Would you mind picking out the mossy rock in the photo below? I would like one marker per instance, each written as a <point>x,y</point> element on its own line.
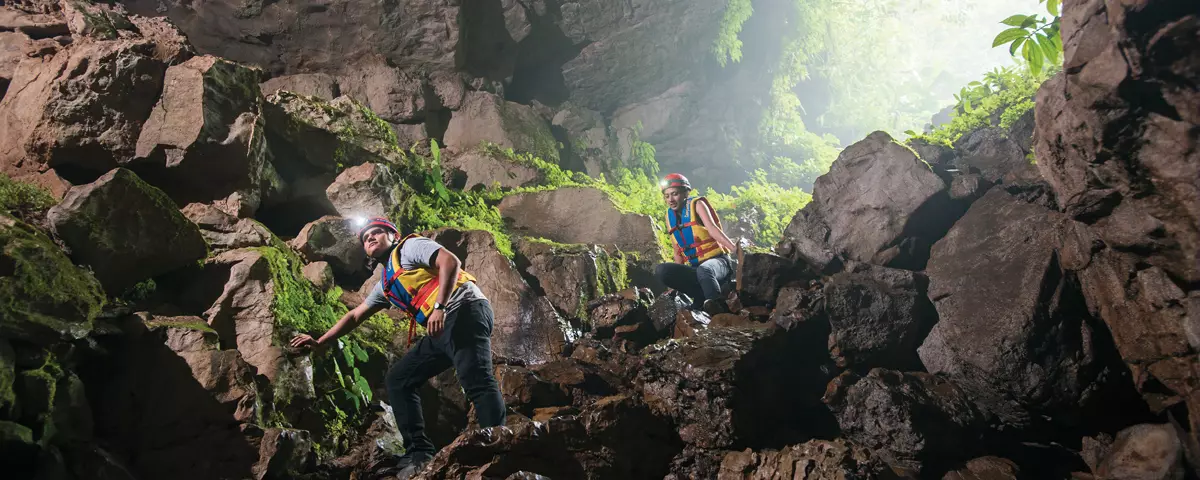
<point>7,375</point>
<point>330,136</point>
<point>43,296</point>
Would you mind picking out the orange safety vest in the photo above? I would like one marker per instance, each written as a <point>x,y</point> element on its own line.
<point>414,291</point>
<point>692,240</point>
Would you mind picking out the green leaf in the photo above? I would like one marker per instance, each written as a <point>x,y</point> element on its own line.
<point>910,133</point>
<point>364,389</point>
<point>1015,20</point>
<point>1048,48</point>
<point>1034,56</point>
<point>1052,7</point>
<point>1009,35</point>
<point>359,353</point>
<point>348,356</point>
<point>1012,50</point>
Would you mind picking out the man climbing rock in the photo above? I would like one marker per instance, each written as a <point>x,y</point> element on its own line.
<point>702,262</point>
<point>459,325</point>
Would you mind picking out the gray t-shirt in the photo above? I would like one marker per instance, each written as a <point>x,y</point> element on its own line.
<point>417,252</point>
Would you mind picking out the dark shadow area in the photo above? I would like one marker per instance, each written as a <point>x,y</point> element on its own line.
<point>928,224</point>
<point>488,49</point>
<point>537,74</point>
<point>781,381</point>
<point>287,218</point>
<point>156,417</point>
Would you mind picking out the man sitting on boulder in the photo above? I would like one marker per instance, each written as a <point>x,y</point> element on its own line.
<point>459,325</point>
<point>702,262</point>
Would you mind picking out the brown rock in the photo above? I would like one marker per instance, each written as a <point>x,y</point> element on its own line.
<point>990,152</point>
<point>366,191</point>
<point>689,323</point>
<point>319,85</point>
<point>526,325</point>
<point>1019,281</point>
<point>283,452</point>
<point>204,140</point>
<point>320,274</point>
<point>82,108</point>
<point>814,459</point>
<point>762,275</point>
<point>911,420</point>
<point>486,168</point>
<point>1145,452</point>
<point>223,231</point>
<point>526,392</point>
<point>36,25</point>
<point>554,215</point>
<point>892,223</point>
<point>333,239</point>
<point>572,276</point>
<point>126,230</point>
<point>878,316</point>
<point>613,310</point>
<point>985,468</point>
<point>172,392</point>
<point>485,117</point>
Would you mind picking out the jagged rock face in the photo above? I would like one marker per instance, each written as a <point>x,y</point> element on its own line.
<point>366,191</point>
<point>616,437</point>
<point>486,117</point>
<point>878,204</point>
<point>1144,451</point>
<point>169,392</point>
<point>282,452</point>
<point>223,231</point>
<point>567,274</point>
<point>79,111</point>
<point>1013,329</point>
<point>320,85</point>
<point>763,275</point>
<point>525,324</point>
<point>48,298</point>
<point>145,237</point>
<point>334,240</point>
<point>878,316</point>
<point>833,460</point>
<point>204,140</point>
<point>604,76</point>
<point>477,168</point>
<point>1135,185</point>
<point>911,420</point>
<point>991,152</point>
<point>295,37</point>
<point>316,136</point>
<point>559,215</point>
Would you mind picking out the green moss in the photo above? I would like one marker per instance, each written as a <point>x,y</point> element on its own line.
<point>612,272</point>
<point>299,307</point>
<point>1008,91</point>
<point>44,290</point>
<point>23,199</point>
<point>14,433</point>
<point>197,326</point>
<point>40,384</point>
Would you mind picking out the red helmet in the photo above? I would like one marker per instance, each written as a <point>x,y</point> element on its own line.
<point>377,222</point>
<point>674,180</point>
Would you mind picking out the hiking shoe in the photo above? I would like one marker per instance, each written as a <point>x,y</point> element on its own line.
<point>414,466</point>
<point>715,306</point>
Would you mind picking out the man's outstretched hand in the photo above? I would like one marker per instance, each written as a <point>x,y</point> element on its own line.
<point>304,341</point>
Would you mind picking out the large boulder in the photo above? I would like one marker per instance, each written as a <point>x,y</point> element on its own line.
<point>835,459</point>
<point>486,117</point>
<point>879,203</point>
<point>125,229</point>
<point>571,276</point>
<point>334,240</point>
<point>556,214</point>
<point>80,110</point>
<point>320,85</point>
<point>1013,329</point>
<point>488,168</point>
<point>763,275</point>
<point>366,191</point>
<point>526,326</point>
<point>878,316</point>
<point>310,135</point>
<point>204,140</point>
<point>913,421</point>
<point>1144,451</point>
<point>616,437</point>
<point>48,298</point>
<point>169,392</point>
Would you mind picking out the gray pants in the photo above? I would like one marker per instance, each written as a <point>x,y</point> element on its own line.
<point>701,283</point>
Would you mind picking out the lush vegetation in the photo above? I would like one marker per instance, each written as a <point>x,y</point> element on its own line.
<point>1038,38</point>
<point>769,206</point>
<point>728,47</point>
<point>999,99</point>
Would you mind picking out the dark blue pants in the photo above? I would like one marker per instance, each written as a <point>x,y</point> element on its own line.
<point>700,283</point>
<point>466,345</point>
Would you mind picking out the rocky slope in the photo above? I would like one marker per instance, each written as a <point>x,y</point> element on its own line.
<point>934,312</point>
